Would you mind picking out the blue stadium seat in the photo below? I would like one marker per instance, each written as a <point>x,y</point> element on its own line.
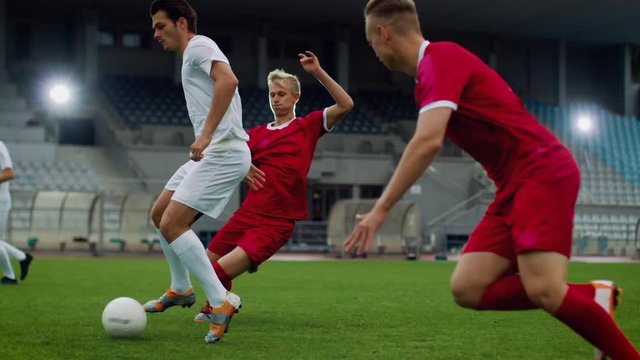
<point>613,142</point>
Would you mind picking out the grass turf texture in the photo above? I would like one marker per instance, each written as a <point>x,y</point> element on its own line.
<point>295,310</point>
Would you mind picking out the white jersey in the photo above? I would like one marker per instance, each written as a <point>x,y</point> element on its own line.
<point>197,59</point>
<point>5,163</point>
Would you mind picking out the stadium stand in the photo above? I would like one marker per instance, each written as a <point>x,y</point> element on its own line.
<point>609,159</point>
<point>156,101</point>
<point>613,141</point>
<point>63,176</point>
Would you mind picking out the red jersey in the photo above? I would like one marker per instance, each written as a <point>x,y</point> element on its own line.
<point>489,121</point>
<point>284,153</point>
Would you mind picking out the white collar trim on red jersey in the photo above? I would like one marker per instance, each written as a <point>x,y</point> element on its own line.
<point>423,47</point>
<point>273,126</point>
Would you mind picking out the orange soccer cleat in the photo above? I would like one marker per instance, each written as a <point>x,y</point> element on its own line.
<point>169,299</point>
<point>220,317</point>
<point>607,296</point>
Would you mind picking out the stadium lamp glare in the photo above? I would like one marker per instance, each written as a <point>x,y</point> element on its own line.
<point>585,123</point>
<point>59,94</point>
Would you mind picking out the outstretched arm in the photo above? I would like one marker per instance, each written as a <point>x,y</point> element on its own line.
<point>418,155</point>
<point>343,104</point>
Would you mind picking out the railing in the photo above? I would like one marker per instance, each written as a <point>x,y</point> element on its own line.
<point>308,236</point>
<point>109,223</point>
<point>78,221</point>
<point>600,240</point>
<point>97,223</point>
<point>637,239</point>
<point>462,206</point>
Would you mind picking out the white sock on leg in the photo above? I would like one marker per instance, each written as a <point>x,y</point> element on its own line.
<point>193,255</point>
<point>5,264</point>
<point>13,251</point>
<point>180,281</point>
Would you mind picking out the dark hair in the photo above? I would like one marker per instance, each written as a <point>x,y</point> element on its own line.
<point>399,14</point>
<point>387,8</point>
<point>176,9</point>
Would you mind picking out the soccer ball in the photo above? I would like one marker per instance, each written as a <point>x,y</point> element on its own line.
<point>124,317</point>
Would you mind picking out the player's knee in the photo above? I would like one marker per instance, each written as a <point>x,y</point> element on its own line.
<point>156,216</point>
<point>167,228</point>
<point>213,257</point>
<point>545,295</point>
<point>464,294</point>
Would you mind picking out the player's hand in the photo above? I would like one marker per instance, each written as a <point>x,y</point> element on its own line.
<point>198,146</point>
<point>255,178</point>
<point>365,231</point>
<point>309,62</point>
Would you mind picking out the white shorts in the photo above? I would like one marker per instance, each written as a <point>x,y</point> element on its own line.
<point>207,185</point>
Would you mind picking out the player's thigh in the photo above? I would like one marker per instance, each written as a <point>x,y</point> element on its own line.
<point>235,262</point>
<point>213,180</point>
<point>475,272</point>
<point>226,239</point>
<point>160,205</point>
<point>543,212</point>
<point>169,189</point>
<point>223,243</point>
<point>213,257</point>
<point>262,243</point>
<point>176,220</point>
<point>487,256</point>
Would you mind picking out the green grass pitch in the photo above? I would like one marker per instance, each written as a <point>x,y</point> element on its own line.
<point>292,310</point>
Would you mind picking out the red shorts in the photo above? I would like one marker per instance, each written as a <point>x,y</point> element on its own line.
<point>535,214</point>
<point>258,235</point>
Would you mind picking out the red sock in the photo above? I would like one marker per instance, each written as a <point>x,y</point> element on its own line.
<point>508,293</point>
<point>224,278</point>
<point>593,323</point>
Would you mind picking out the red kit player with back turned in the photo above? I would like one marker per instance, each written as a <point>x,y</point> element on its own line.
<point>518,255</point>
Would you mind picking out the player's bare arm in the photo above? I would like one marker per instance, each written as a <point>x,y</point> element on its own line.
<point>6,175</point>
<point>418,155</point>
<point>343,104</point>
<point>224,89</point>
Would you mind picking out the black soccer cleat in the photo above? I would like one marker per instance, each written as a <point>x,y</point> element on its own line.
<point>7,281</point>
<point>24,266</point>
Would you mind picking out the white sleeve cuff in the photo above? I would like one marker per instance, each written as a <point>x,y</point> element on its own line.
<point>439,104</point>
<point>324,121</point>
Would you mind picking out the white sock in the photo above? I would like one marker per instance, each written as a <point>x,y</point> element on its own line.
<point>13,251</point>
<point>180,281</point>
<point>193,255</point>
<point>5,264</point>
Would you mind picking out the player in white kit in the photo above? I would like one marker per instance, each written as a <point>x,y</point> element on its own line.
<point>7,250</point>
<point>220,159</point>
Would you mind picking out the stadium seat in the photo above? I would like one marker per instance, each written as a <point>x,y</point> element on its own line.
<point>150,243</point>
<point>137,101</point>
<point>120,242</point>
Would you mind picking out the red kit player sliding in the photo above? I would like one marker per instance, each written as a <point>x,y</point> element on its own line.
<point>281,153</point>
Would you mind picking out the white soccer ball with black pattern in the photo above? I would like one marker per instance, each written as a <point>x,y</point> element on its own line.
<point>124,317</point>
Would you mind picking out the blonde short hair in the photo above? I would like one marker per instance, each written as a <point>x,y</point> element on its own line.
<point>279,76</point>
